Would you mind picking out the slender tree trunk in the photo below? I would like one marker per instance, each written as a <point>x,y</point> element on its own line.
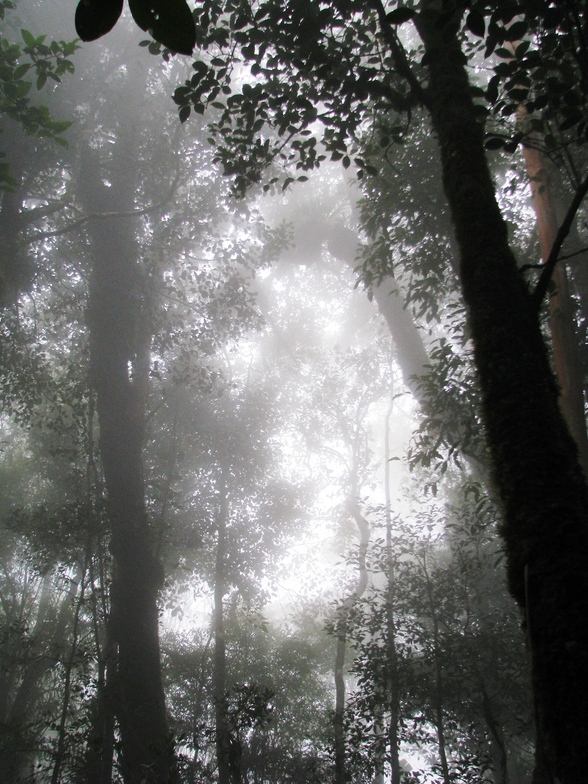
<point>393,674</point>
<point>219,687</point>
<point>437,696</point>
<point>535,460</point>
<point>497,742</point>
<point>100,749</point>
<point>49,634</point>
<point>342,626</point>
<point>338,718</point>
<point>411,353</point>
<point>61,750</point>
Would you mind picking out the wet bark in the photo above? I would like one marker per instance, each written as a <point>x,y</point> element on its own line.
<point>535,460</point>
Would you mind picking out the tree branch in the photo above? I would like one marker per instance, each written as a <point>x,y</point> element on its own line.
<point>402,64</point>
<point>543,282</point>
<point>43,235</point>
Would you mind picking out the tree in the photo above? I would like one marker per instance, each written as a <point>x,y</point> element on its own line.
<point>350,62</point>
<point>21,120</point>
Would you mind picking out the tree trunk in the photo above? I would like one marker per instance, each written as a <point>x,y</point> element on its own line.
<point>564,341</point>
<point>49,636</point>
<point>219,685</point>
<point>118,377</point>
<point>341,630</point>
<point>393,679</point>
<point>497,742</point>
<point>100,750</point>
<point>437,695</point>
<point>535,460</point>
<point>15,269</point>
<point>62,742</point>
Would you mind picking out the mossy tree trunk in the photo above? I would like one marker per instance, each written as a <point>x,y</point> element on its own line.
<point>535,460</point>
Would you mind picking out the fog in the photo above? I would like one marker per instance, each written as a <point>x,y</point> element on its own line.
<point>251,519</point>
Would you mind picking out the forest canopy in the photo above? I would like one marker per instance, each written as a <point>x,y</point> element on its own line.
<point>259,526</point>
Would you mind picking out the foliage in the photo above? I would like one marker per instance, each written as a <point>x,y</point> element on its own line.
<point>542,68</point>
<point>18,62</point>
<point>277,701</point>
<point>460,664</point>
<point>352,63</point>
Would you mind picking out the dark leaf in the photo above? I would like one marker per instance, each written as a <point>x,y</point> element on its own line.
<point>95,18</point>
<point>516,31</point>
<point>494,143</point>
<point>400,15</point>
<point>476,23</point>
<point>169,21</point>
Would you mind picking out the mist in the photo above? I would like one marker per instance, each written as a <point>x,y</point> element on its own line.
<point>280,502</point>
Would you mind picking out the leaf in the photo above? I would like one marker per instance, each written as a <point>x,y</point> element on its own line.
<point>95,18</point>
<point>516,31</point>
<point>20,71</point>
<point>169,21</point>
<point>494,143</point>
<point>476,23</point>
<point>28,37</point>
<point>400,15</point>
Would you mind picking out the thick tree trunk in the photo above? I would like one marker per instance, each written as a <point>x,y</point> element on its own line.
<point>535,460</point>
<point>137,576</point>
<point>118,377</point>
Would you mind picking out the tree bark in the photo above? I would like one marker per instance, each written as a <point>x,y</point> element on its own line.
<point>535,460</point>
<point>393,679</point>
<point>118,377</point>
<point>222,731</point>
<point>341,630</point>
<point>437,695</point>
<point>564,340</point>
